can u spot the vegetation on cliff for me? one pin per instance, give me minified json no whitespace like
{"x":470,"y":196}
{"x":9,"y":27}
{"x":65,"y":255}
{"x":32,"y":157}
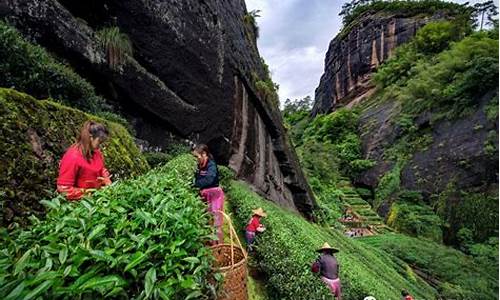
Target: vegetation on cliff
{"x":29,"y":68}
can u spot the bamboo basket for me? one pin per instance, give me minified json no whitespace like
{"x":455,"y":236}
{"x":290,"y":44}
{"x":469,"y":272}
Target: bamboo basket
{"x":231,"y":262}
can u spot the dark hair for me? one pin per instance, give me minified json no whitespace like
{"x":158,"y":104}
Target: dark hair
{"x":200,"y":148}
{"x":404,"y":293}
{"x":90,"y":129}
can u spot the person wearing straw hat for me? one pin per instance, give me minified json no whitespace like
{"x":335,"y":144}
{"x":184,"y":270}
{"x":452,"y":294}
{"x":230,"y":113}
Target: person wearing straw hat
{"x":254,"y":226}
{"x":327,"y":266}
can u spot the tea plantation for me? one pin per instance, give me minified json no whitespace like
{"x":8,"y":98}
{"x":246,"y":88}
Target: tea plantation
{"x":139,"y":238}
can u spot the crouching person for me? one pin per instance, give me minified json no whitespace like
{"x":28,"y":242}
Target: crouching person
{"x":254,"y":226}
{"x":326,"y":265}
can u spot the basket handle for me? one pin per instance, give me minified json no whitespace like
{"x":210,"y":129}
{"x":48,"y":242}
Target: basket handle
{"x":233,"y":233}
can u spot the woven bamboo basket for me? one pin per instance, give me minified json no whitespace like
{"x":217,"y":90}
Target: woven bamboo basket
{"x":231,"y":262}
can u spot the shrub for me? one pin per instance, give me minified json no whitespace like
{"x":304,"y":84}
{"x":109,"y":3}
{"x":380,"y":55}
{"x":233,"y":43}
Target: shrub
{"x":435,"y":37}
{"x":286,"y":249}
{"x":462,"y":74}
{"x":268,"y":91}
{"x":30,"y":69}
{"x":140,"y":238}
{"x":415,"y":220}
{"x":117,"y":119}
{"x":250,"y":19}
{"x":338,"y":132}
{"x":35,"y":134}
{"x":387,"y":186}
{"x":116,"y":43}
{"x":156,"y":158}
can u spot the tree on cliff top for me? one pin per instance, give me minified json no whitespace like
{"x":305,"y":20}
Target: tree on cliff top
{"x":353,"y":9}
{"x":486,"y":9}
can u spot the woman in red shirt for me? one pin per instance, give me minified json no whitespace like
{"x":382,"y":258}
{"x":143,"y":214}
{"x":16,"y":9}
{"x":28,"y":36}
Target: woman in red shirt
{"x":82,"y":166}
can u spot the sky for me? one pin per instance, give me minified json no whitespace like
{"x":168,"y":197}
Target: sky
{"x":294,"y":38}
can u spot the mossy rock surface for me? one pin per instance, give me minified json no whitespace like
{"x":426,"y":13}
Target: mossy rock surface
{"x":34,"y":136}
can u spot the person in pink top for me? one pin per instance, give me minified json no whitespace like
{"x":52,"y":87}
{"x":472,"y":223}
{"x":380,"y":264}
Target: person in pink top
{"x":207,"y":180}
{"x":254,"y":226}
{"x":82,"y":169}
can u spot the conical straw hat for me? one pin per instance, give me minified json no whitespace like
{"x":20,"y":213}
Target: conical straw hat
{"x":259,"y":212}
{"x":327,"y":247}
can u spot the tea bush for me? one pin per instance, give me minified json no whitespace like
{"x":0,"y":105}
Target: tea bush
{"x":458,"y":276}
{"x":35,"y":134}
{"x":140,"y":238}
{"x":287,"y":248}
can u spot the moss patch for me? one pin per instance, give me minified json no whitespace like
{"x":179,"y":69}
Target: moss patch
{"x":35,"y":134}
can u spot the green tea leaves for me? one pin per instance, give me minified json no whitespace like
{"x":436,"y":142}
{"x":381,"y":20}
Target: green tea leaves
{"x":150,"y":281}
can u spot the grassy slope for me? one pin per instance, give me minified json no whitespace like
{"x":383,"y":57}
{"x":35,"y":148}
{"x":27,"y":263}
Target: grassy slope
{"x":458,"y":276}
{"x":287,"y":248}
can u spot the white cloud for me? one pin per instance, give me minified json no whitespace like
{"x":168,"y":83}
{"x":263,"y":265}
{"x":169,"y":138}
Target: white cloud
{"x":294,"y":38}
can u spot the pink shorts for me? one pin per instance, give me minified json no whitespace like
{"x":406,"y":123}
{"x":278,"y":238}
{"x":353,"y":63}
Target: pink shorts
{"x":215,"y":200}
{"x":333,"y":285}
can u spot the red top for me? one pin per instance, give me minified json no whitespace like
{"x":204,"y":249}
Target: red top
{"x":408,"y":297}
{"x":253,"y":224}
{"x":77,"y":172}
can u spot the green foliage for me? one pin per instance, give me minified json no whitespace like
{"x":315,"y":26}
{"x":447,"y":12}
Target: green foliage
{"x":415,"y":220}
{"x":296,"y":117}
{"x":117,"y":119}
{"x":140,"y":238}
{"x":457,"y":275}
{"x":157,"y":158}
{"x":435,"y":37}
{"x":353,"y":10}
{"x":364,"y":193}
{"x":398,"y":68}
{"x":431,"y":39}
{"x":286,"y":249}
{"x":250,"y":19}
{"x":388,"y":186}
{"x":116,"y":43}
{"x":338,"y":131}
{"x":266,"y":89}
{"x":477,"y":212}
{"x":491,"y":109}
{"x":454,"y":79}
{"x":30,"y":69}
{"x":491,"y":144}
{"x":35,"y":135}
{"x":226,"y":175}
{"x":411,"y":197}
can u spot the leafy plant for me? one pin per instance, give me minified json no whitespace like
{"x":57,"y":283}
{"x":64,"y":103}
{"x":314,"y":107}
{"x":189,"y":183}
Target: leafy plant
{"x":113,"y":117}
{"x":250,"y":19}
{"x":141,"y":238}
{"x":116,"y":43}
{"x":30,"y":69}
{"x":415,"y":220}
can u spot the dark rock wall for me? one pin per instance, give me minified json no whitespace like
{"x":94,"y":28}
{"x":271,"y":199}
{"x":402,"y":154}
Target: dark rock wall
{"x":354,"y":55}
{"x":189,"y":76}
{"x":455,"y":154}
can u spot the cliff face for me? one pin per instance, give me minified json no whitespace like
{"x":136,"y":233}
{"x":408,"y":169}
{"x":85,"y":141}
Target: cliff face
{"x":449,"y":164}
{"x":189,"y":77}
{"x":356,"y":52}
